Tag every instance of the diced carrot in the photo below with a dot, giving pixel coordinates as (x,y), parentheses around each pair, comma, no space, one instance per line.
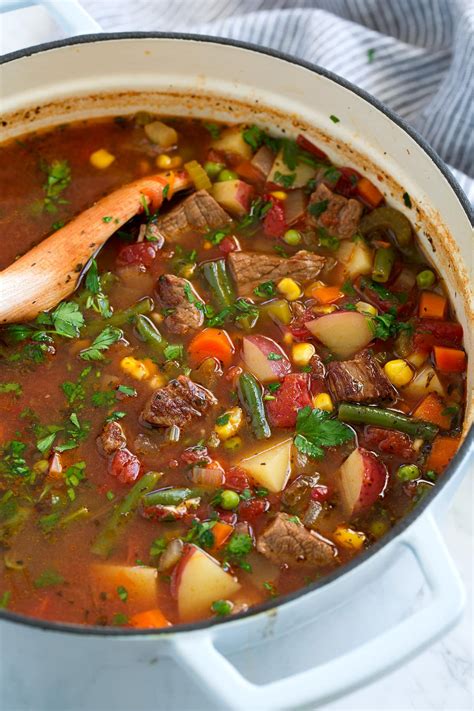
(221,532)
(432,305)
(249,172)
(326,294)
(369,192)
(449,360)
(442,451)
(149,618)
(211,343)
(431,409)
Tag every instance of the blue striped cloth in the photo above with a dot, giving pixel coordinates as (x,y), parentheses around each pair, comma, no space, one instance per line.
(414,55)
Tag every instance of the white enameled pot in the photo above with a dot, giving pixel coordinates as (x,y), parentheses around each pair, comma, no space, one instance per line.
(361,621)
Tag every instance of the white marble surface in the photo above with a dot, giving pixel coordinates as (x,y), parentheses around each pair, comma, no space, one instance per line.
(442,677)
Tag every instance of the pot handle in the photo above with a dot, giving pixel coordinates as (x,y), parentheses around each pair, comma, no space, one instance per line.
(69,14)
(219,677)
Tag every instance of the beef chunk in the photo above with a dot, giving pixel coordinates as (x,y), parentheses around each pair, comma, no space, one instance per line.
(178,403)
(359,380)
(341,216)
(198,212)
(177,294)
(111,438)
(284,541)
(249,269)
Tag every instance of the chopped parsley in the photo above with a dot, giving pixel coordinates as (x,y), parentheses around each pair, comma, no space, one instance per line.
(215,237)
(75,392)
(126,390)
(274,356)
(201,533)
(315,430)
(104,340)
(266,289)
(120,619)
(285,180)
(370,55)
(348,289)
(66,320)
(13,388)
(122,593)
(334,119)
(58,177)
(5,599)
(317,208)
(253,135)
(223,419)
(157,547)
(73,476)
(174,351)
(270,588)
(327,240)
(48,578)
(387,325)
(332,174)
(213,129)
(104,398)
(107,219)
(221,607)
(12,461)
(238,547)
(407,200)
(258,210)
(96,299)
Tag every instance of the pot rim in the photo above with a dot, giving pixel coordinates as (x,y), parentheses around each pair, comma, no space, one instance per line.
(459,461)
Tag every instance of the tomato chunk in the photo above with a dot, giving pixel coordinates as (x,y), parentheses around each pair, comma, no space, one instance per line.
(274,223)
(389,442)
(125,466)
(250,510)
(141,254)
(292,395)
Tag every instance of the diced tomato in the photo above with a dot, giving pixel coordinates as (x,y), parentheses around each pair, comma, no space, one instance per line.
(192,455)
(229,244)
(389,442)
(274,224)
(375,298)
(164,513)
(320,492)
(228,517)
(237,479)
(429,333)
(250,510)
(347,183)
(139,254)
(306,145)
(297,327)
(125,466)
(292,395)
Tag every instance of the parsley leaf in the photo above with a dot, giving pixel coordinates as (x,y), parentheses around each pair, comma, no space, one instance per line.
(104,340)
(407,200)
(14,388)
(274,356)
(327,240)
(58,178)
(221,607)
(213,129)
(334,119)
(370,55)
(48,578)
(387,325)
(265,289)
(158,546)
(253,135)
(96,298)
(317,208)
(173,351)
(67,319)
(12,461)
(285,180)
(201,533)
(315,430)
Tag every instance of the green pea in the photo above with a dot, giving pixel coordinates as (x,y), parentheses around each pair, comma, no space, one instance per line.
(229,500)
(425,279)
(213,169)
(227,174)
(408,472)
(292,237)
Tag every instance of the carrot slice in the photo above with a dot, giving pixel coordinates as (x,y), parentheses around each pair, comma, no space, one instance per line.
(326,294)
(432,305)
(369,192)
(149,618)
(221,532)
(211,343)
(431,409)
(442,451)
(449,360)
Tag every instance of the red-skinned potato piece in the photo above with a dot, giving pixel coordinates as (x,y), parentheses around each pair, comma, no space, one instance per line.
(291,396)
(234,196)
(343,332)
(265,359)
(362,477)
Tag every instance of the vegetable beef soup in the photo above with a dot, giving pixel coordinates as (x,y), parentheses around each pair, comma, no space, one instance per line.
(250,386)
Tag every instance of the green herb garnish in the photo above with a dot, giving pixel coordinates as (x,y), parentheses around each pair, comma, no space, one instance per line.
(315,430)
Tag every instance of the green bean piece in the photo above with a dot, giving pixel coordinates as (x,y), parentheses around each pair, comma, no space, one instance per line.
(120,318)
(250,394)
(387,218)
(218,280)
(377,416)
(107,539)
(147,330)
(383,263)
(169,496)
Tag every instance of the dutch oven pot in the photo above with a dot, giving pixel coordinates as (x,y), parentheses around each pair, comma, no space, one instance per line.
(321,645)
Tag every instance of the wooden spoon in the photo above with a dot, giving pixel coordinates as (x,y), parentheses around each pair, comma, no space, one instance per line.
(51,271)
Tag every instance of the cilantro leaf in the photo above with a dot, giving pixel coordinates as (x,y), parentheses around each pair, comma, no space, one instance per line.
(315,430)
(67,319)
(104,340)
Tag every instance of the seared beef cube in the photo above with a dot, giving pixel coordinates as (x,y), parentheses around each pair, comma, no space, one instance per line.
(199,212)
(112,438)
(249,269)
(286,542)
(341,216)
(359,380)
(177,295)
(178,403)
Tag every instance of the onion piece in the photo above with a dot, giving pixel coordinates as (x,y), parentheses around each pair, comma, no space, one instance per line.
(161,134)
(171,555)
(294,206)
(204,476)
(263,160)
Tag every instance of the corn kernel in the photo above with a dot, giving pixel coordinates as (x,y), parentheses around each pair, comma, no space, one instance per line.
(279,194)
(325,309)
(233,443)
(323,402)
(348,538)
(135,368)
(314,285)
(207,245)
(101,159)
(398,372)
(301,353)
(417,358)
(229,423)
(163,161)
(364,308)
(289,288)
(288,338)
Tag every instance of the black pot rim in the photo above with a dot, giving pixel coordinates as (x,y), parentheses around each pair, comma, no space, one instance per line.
(462,456)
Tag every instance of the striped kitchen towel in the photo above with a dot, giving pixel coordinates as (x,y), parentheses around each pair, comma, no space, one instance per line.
(414,55)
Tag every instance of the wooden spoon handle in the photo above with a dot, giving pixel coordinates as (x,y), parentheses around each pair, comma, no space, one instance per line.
(50,272)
